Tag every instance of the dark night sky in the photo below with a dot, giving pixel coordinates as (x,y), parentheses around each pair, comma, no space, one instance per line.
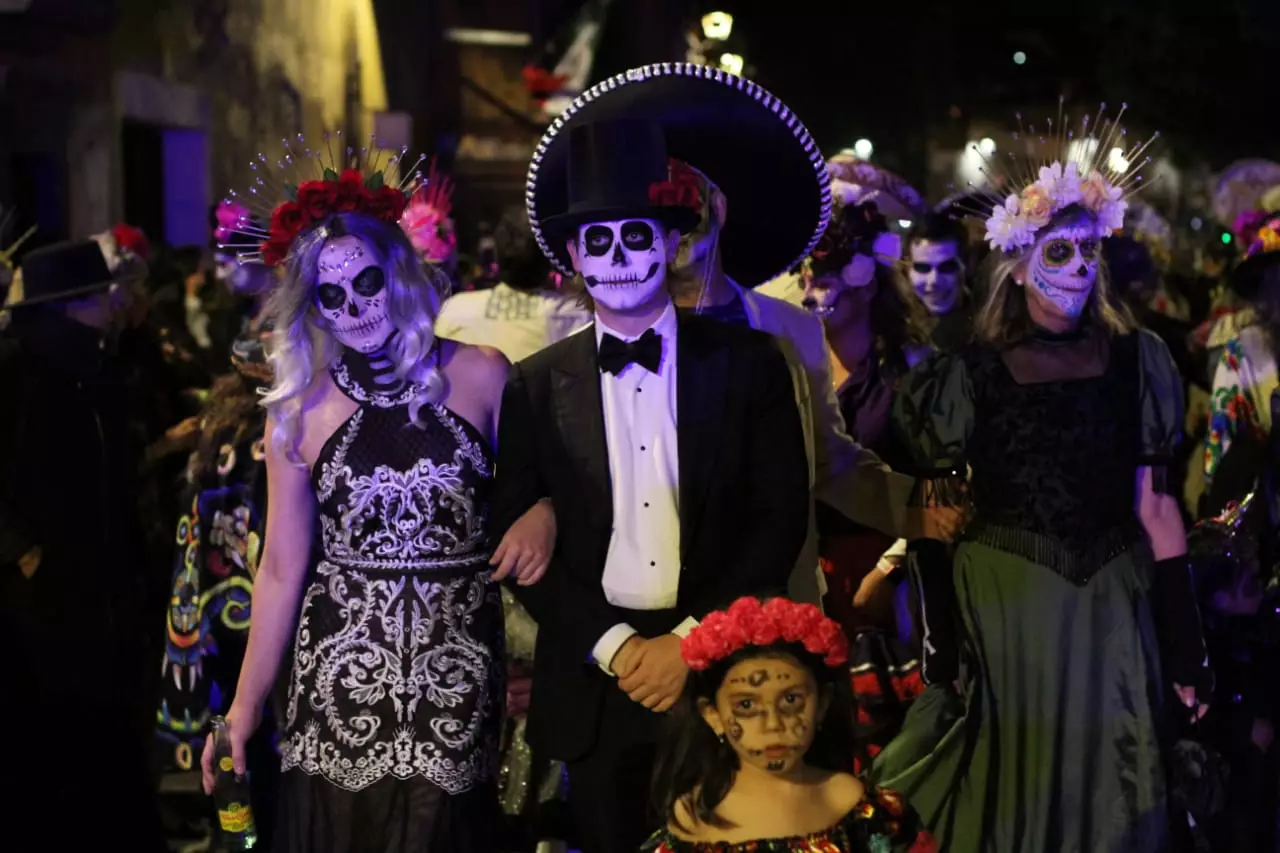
(890,71)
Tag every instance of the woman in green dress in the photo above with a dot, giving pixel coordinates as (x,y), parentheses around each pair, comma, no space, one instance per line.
(1057,426)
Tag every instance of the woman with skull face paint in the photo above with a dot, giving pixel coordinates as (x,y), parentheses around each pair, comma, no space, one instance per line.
(876,334)
(757,752)
(1081,635)
(379,465)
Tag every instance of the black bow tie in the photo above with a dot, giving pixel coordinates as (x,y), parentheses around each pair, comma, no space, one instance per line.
(616,354)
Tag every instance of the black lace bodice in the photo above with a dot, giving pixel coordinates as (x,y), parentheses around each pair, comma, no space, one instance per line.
(1052,463)
(1056,459)
(398,656)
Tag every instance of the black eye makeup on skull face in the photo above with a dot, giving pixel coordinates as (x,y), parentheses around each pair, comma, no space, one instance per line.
(1058,253)
(369,282)
(598,240)
(948,267)
(637,236)
(331,296)
(1089,250)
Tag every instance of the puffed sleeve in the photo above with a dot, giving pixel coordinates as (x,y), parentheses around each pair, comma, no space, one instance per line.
(1162,410)
(933,418)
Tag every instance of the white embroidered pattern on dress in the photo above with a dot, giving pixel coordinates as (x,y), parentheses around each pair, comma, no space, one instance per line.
(393,670)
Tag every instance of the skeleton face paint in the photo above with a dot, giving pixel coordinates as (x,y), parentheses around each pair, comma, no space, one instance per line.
(833,298)
(624,263)
(937,274)
(768,709)
(1063,268)
(352,296)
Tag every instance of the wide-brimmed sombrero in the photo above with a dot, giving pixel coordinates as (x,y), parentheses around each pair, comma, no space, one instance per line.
(739,135)
(1261,261)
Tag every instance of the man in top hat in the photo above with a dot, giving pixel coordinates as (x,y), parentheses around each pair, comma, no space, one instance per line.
(71,562)
(670,446)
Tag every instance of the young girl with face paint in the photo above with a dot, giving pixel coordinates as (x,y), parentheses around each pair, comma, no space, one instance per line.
(1074,614)
(379,458)
(757,751)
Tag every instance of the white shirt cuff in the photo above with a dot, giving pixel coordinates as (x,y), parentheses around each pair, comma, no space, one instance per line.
(682,630)
(608,645)
(897,549)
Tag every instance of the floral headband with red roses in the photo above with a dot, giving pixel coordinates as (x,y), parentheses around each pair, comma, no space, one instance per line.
(749,622)
(307,187)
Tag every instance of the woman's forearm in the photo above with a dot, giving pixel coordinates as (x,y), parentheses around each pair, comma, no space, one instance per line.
(272,616)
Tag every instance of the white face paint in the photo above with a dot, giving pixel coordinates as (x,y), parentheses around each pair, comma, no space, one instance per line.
(351,294)
(823,293)
(937,274)
(624,263)
(1063,268)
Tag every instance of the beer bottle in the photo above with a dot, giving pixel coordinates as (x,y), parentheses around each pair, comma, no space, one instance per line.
(231,794)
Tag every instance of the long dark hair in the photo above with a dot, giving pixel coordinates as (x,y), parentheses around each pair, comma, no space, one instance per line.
(696,768)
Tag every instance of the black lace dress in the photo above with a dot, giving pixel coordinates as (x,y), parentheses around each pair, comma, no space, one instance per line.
(394,705)
(1054,743)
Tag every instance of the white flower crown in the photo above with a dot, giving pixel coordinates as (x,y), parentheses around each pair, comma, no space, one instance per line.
(1095,183)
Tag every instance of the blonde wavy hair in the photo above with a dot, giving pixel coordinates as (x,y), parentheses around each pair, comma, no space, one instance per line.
(302,346)
(1003,321)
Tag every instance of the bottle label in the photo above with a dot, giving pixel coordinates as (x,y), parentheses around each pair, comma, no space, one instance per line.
(235,818)
(225,764)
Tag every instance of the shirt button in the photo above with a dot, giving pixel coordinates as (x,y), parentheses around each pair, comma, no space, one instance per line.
(646,504)
(642,447)
(652,563)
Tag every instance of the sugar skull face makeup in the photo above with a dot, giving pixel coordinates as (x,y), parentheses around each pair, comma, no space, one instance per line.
(624,263)
(351,294)
(830,295)
(937,274)
(768,710)
(1063,268)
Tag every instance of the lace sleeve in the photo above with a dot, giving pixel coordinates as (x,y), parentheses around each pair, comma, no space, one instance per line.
(1162,410)
(933,417)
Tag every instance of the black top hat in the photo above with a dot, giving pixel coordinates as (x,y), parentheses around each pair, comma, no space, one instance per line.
(611,167)
(740,136)
(65,270)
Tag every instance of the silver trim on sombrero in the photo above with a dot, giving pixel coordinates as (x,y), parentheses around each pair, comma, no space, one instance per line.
(682,69)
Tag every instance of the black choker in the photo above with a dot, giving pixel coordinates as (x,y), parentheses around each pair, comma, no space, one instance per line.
(1040,333)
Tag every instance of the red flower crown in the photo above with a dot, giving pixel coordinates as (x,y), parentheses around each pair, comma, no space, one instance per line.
(748,622)
(315,201)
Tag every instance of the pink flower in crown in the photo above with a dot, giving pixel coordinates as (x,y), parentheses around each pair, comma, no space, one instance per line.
(1035,206)
(430,232)
(1062,183)
(1006,229)
(231,217)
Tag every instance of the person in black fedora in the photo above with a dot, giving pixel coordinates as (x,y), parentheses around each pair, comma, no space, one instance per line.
(72,578)
(670,447)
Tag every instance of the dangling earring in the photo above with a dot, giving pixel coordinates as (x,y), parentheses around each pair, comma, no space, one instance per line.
(721,739)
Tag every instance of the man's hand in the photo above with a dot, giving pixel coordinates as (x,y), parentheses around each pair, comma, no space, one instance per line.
(525,551)
(627,658)
(519,688)
(659,675)
(30,561)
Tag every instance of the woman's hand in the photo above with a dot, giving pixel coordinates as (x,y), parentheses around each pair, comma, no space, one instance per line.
(242,722)
(525,551)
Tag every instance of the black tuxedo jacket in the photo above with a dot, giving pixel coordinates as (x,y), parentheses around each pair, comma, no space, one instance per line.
(744,501)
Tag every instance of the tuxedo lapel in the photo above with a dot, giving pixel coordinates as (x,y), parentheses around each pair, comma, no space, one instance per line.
(579,415)
(702,382)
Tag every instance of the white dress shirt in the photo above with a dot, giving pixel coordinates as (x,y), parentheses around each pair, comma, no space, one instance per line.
(642,568)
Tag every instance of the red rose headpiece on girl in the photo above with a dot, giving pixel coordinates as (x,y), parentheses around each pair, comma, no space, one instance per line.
(748,622)
(306,187)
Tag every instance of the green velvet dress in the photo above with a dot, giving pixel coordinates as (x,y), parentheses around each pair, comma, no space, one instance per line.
(1051,744)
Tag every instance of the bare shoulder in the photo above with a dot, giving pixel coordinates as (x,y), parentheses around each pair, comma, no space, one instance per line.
(844,791)
(482,365)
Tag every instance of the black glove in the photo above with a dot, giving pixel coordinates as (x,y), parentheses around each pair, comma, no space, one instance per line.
(930,565)
(1177,615)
